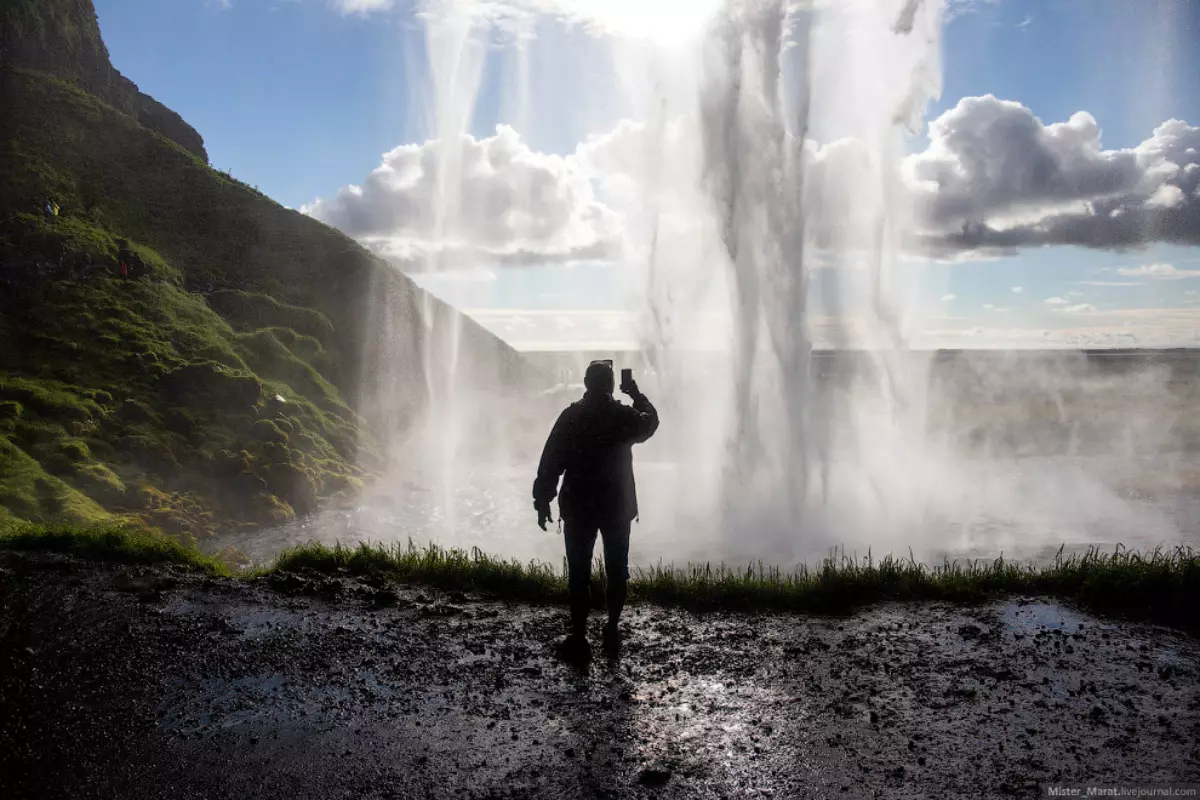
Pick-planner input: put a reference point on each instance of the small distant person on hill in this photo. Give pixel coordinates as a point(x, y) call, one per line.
point(129, 263)
point(591, 447)
point(51, 208)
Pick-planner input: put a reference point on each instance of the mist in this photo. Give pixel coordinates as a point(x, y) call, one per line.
point(800, 418)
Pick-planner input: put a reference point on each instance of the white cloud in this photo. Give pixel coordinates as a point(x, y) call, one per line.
point(1018, 289)
point(1111, 283)
point(1160, 272)
point(995, 178)
point(361, 6)
point(946, 298)
point(1062, 304)
point(511, 206)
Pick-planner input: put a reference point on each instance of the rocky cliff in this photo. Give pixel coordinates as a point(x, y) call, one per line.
point(62, 38)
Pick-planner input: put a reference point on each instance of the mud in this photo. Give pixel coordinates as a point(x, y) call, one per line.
point(139, 683)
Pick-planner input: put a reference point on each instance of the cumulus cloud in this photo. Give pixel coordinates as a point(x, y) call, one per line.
point(1160, 272)
point(1018, 289)
point(996, 178)
point(488, 201)
point(992, 180)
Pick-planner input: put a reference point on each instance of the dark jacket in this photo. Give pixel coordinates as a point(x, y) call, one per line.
point(592, 442)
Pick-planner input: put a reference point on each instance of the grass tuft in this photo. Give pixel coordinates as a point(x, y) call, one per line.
point(1162, 585)
point(109, 543)
point(445, 568)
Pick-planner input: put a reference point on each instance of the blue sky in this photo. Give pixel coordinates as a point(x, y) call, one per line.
point(300, 99)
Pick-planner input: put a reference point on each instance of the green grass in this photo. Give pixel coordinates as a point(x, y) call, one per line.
point(109, 543)
point(1162, 586)
point(432, 566)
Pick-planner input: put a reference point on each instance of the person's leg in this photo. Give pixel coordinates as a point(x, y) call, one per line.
point(616, 566)
point(580, 539)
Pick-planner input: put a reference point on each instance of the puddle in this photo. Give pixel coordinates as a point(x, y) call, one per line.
point(1029, 617)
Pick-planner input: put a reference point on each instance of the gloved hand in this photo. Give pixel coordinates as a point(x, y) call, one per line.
point(543, 512)
point(630, 388)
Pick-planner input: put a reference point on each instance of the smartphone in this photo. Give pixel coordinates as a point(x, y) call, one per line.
point(626, 377)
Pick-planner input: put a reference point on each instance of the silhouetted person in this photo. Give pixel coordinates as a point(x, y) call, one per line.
point(591, 446)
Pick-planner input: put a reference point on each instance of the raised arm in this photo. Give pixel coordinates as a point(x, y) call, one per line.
point(643, 417)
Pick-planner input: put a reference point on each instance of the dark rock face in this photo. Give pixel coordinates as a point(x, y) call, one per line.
point(62, 37)
point(160, 119)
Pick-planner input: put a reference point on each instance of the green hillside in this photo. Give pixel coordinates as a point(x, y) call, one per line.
point(210, 381)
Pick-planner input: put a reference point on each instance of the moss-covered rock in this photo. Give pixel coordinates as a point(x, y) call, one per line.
point(50, 399)
point(293, 484)
point(343, 491)
point(135, 411)
point(100, 483)
point(75, 450)
point(252, 311)
point(11, 410)
point(211, 383)
point(28, 492)
point(266, 430)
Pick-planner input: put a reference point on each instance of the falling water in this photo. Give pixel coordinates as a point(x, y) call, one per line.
point(767, 223)
point(783, 207)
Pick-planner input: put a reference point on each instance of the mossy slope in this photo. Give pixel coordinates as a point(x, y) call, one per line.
point(136, 394)
point(216, 384)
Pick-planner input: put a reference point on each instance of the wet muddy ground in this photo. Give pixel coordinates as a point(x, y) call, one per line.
point(138, 683)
